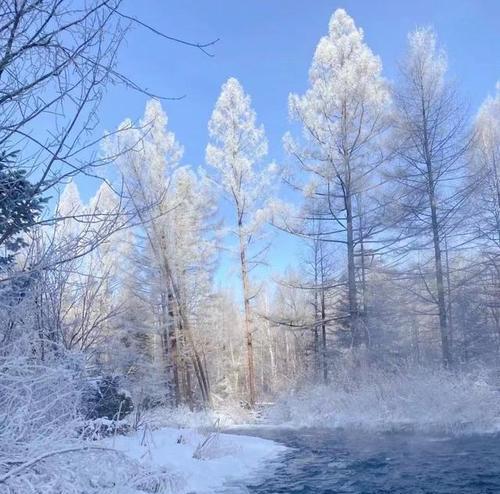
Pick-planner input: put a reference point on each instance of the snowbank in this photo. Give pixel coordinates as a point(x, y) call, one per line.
point(411, 399)
point(168, 452)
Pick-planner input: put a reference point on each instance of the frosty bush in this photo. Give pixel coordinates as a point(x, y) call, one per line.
point(38, 410)
point(38, 407)
point(103, 398)
point(227, 413)
point(410, 398)
point(91, 471)
point(101, 428)
point(41, 450)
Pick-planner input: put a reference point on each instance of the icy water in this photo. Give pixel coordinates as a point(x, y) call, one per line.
point(331, 462)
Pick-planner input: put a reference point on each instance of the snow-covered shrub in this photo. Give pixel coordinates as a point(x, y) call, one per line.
point(226, 414)
point(206, 446)
point(38, 413)
point(412, 398)
point(104, 398)
point(160, 480)
point(92, 471)
point(38, 407)
point(100, 428)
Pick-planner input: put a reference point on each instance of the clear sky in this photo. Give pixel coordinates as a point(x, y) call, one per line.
point(268, 46)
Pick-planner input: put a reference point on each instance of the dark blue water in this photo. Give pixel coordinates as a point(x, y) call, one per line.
point(335, 462)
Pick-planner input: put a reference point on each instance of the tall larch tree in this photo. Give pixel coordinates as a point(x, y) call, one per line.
point(165, 198)
point(236, 149)
point(485, 202)
point(343, 117)
point(430, 126)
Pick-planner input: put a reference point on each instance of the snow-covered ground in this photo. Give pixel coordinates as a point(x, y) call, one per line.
point(188, 461)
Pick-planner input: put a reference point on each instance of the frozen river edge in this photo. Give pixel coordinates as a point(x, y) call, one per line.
point(196, 462)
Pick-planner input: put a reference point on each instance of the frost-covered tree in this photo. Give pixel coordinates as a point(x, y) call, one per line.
point(21, 204)
point(173, 205)
point(431, 133)
point(69, 207)
point(79, 300)
point(486, 166)
point(236, 150)
point(56, 57)
point(343, 117)
point(485, 211)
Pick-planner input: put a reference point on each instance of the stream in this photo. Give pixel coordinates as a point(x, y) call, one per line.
point(326, 461)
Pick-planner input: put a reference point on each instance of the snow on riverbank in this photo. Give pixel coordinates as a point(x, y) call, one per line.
point(171, 454)
point(414, 399)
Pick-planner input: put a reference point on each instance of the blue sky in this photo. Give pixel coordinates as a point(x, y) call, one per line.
point(268, 46)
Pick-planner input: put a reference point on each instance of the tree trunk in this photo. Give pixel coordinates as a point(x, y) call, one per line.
point(357, 338)
point(189, 389)
point(496, 207)
point(323, 337)
point(184, 325)
point(248, 320)
point(438, 264)
point(448, 296)
point(317, 314)
point(174, 351)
